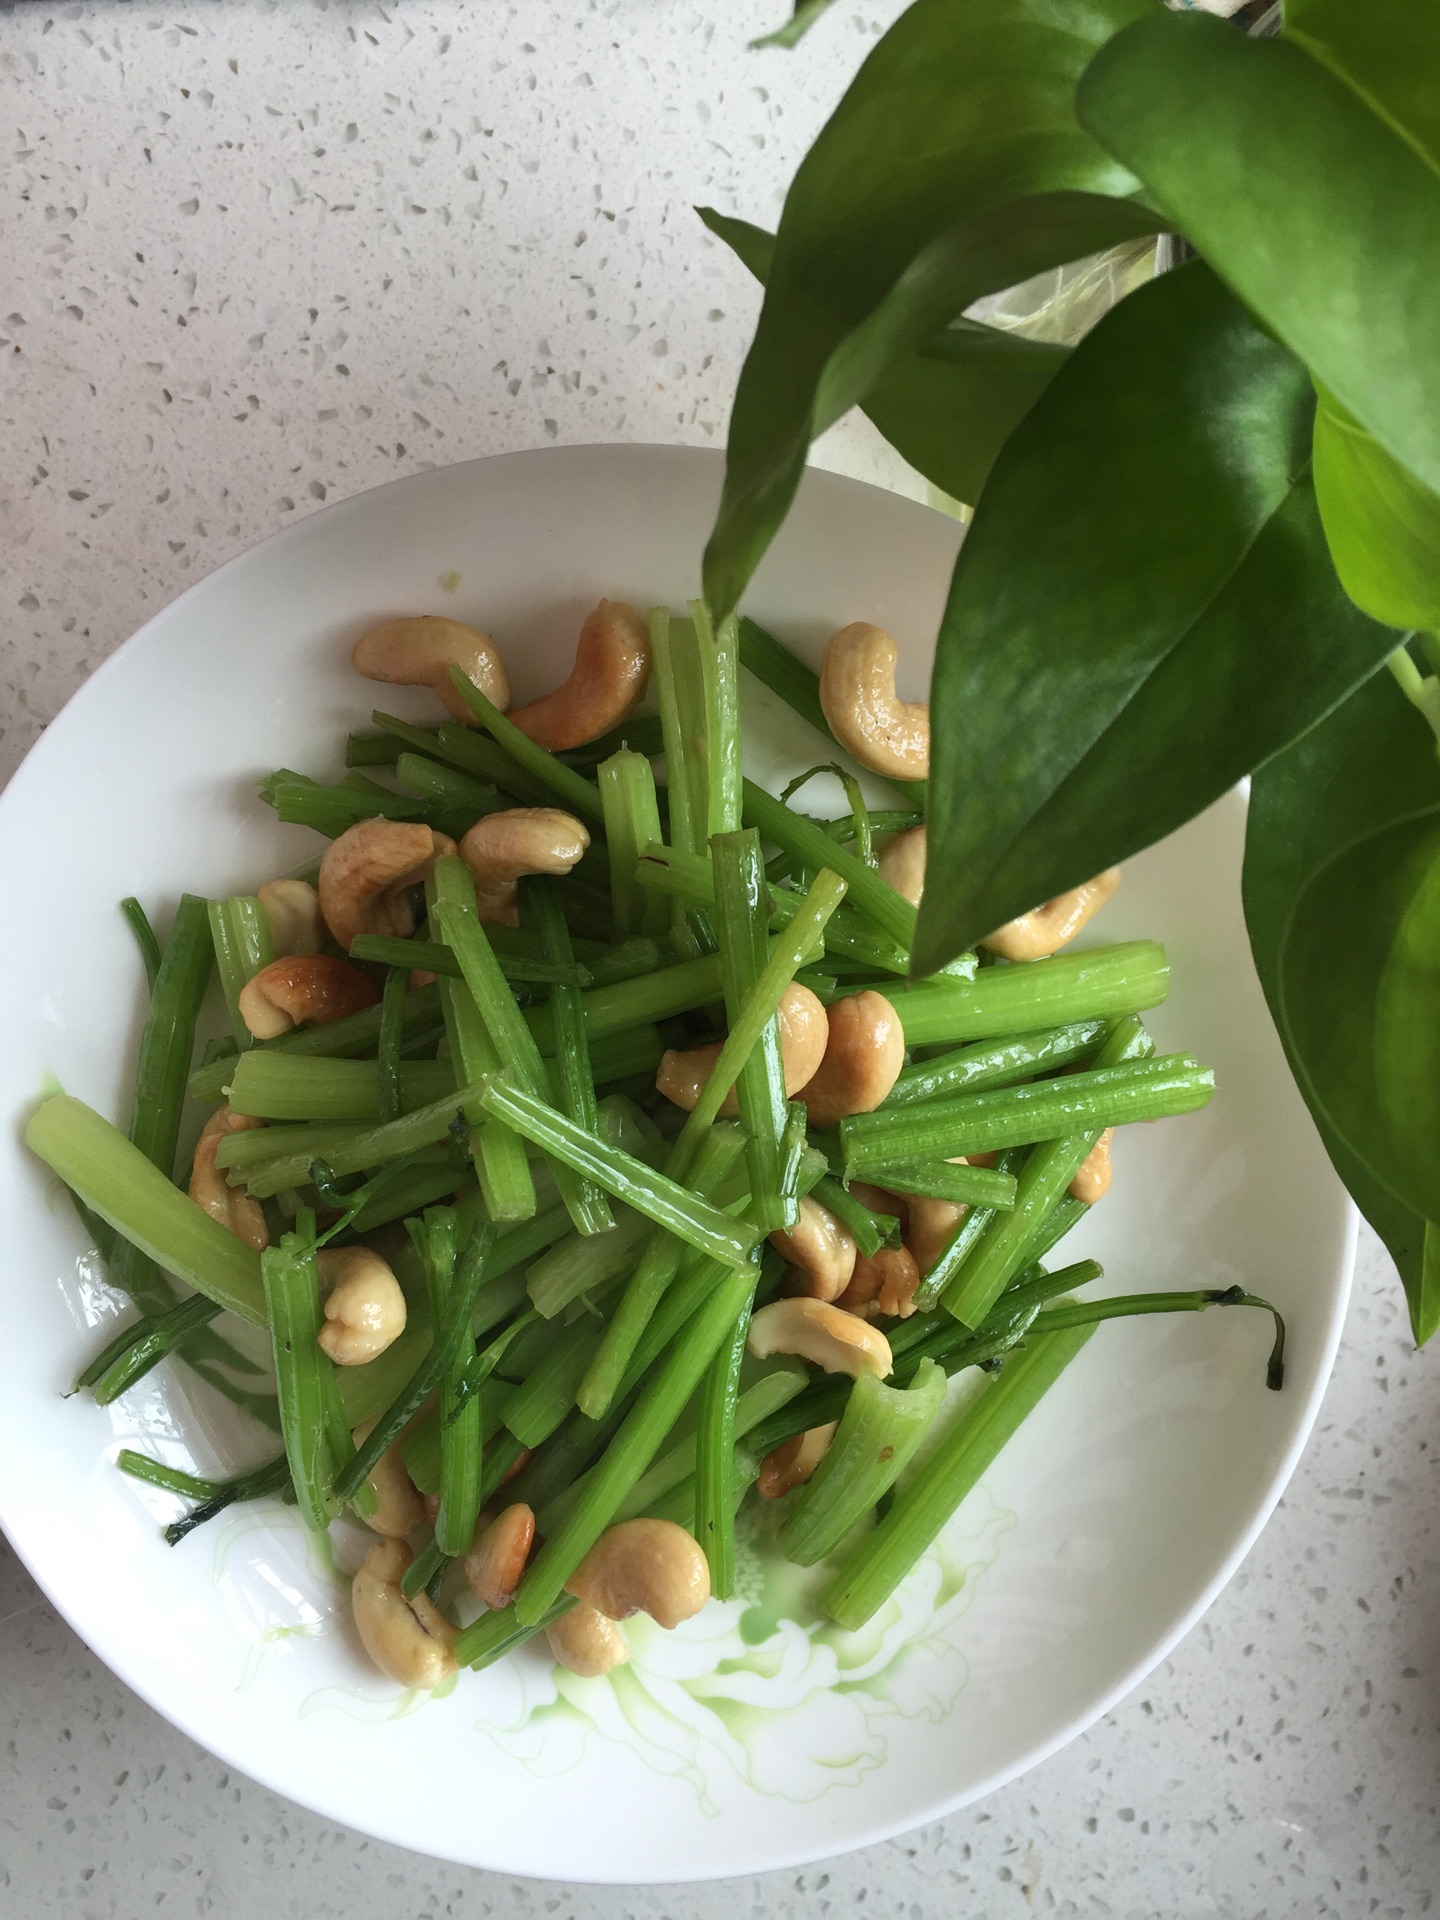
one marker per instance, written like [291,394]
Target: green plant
[1201,533]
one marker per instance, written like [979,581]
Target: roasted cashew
[902,864]
[931,1229]
[863,1057]
[804,1031]
[643,1566]
[586,1642]
[420,651]
[399,1506]
[366,875]
[1092,1182]
[791,1464]
[827,1336]
[883,1284]
[292,913]
[304,988]
[497,1558]
[209,1188]
[606,683]
[857,691]
[410,1640]
[364,1306]
[822,1247]
[503,846]
[1044,930]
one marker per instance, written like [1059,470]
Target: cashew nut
[497,1559]
[366,874]
[902,864]
[410,1640]
[606,683]
[804,1030]
[827,1336]
[364,1306]
[643,1566]
[586,1642]
[292,912]
[857,691]
[823,1246]
[863,1057]
[503,846]
[883,1283]
[1092,1182]
[1044,930]
[791,1464]
[931,1229]
[209,1188]
[313,987]
[420,651]
[399,1507]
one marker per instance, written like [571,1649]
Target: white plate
[746,1741]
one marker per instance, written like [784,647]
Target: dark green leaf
[1316,210]
[806,13]
[1386,51]
[953,167]
[1382,525]
[1142,611]
[1349,798]
[949,408]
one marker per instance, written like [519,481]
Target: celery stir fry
[593,1164]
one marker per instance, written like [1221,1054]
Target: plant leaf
[949,408]
[1382,525]
[954,166]
[1316,210]
[1331,805]
[1385,51]
[1142,611]
[806,13]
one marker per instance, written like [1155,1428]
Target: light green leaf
[948,408]
[1334,822]
[953,167]
[1322,217]
[1382,525]
[1386,50]
[1142,611]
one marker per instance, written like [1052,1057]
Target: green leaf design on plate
[953,167]
[1142,611]
[1317,209]
[1340,877]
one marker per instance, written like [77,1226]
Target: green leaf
[806,13]
[1382,525]
[953,167]
[1142,611]
[949,408]
[1386,51]
[1350,801]
[1312,206]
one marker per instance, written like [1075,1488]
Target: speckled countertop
[257,256]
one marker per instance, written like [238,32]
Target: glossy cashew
[643,1566]
[606,683]
[863,1057]
[364,1305]
[791,1464]
[420,651]
[305,989]
[883,1285]
[821,1248]
[503,847]
[827,1336]
[497,1559]
[902,864]
[367,873]
[857,691]
[399,1507]
[586,1642]
[804,1031]
[292,913]
[209,1188]
[1044,930]
[1092,1182]
[410,1640]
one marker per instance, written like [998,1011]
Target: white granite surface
[257,256]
